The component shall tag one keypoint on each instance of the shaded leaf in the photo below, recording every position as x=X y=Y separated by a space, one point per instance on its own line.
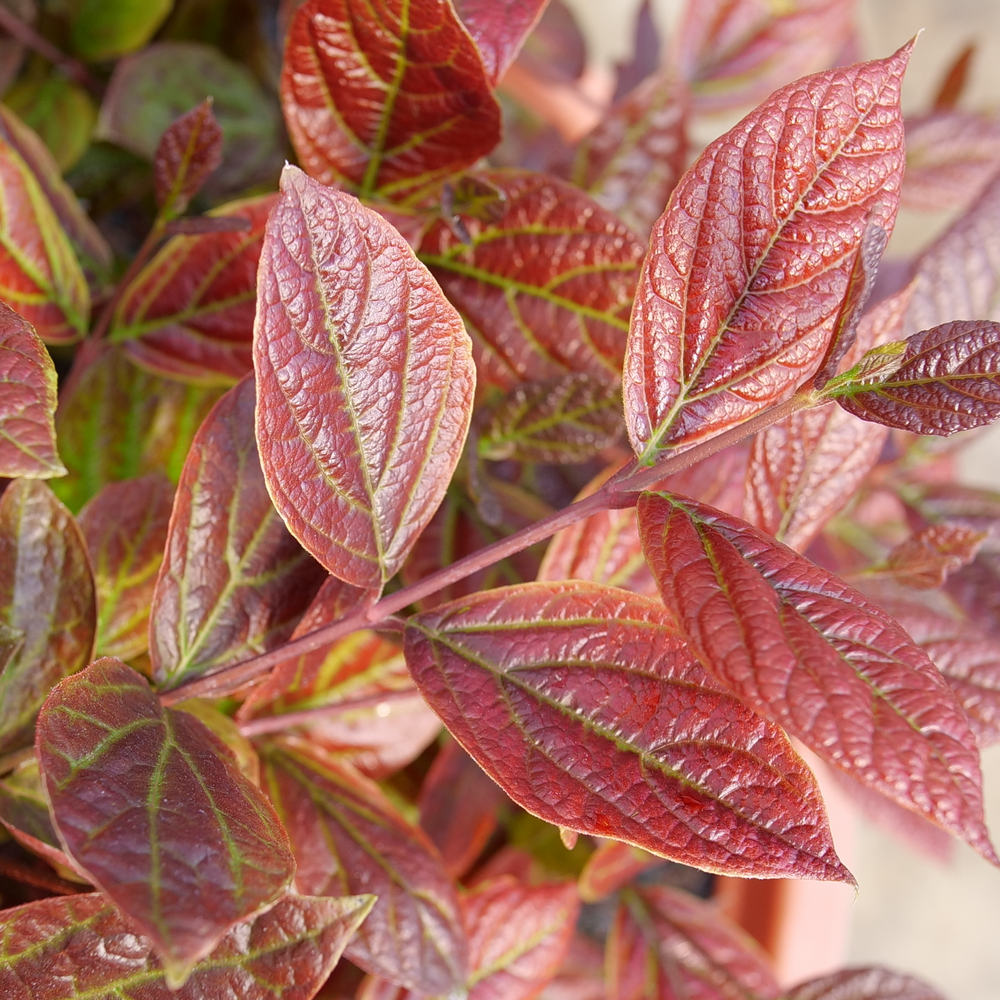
x=976 y=590
x=499 y=29
x=27 y=402
x=816 y=657
x=581 y=976
x=545 y=289
x=233 y=582
x=107 y=29
x=955 y=503
x=387 y=96
x=153 y=808
x=584 y=705
x=125 y=527
x=365 y=381
x=748 y=267
x=81 y=946
x=347 y=836
x=189 y=151
x=610 y=867
x=864 y=984
x=47 y=596
x=926 y=558
x=189 y=313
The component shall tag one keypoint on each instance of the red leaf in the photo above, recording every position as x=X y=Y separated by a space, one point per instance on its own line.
x=665 y=943
x=233 y=582
x=499 y=28
x=864 y=984
x=27 y=402
x=364 y=381
x=817 y=658
x=749 y=265
x=347 y=836
x=954 y=81
x=189 y=313
x=82 y=944
x=46 y=602
x=153 y=808
x=976 y=589
x=546 y=288
x=190 y=150
x=582 y=703
x=610 y=867
x=384 y=97
x=125 y=527
x=926 y=559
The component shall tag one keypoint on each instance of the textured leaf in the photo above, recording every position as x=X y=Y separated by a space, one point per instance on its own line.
x=107 y=29
x=364 y=380
x=518 y=937
x=153 y=807
x=346 y=836
x=546 y=288
x=956 y=503
x=665 y=943
x=117 y=422
x=582 y=703
x=46 y=595
x=565 y=419
x=189 y=313
x=125 y=527
x=80 y=947
x=385 y=96
x=499 y=28
x=864 y=984
x=817 y=658
x=233 y=582
x=942 y=380
x=190 y=150
x=748 y=267
x=27 y=402
x=925 y=559
x=610 y=867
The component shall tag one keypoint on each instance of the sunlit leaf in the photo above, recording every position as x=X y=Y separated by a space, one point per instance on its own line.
x=499 y=28
x=584 y=705
x=153 y=807
x=107 y=29
x=610 y=867
x=189 y=152
x=864 y=984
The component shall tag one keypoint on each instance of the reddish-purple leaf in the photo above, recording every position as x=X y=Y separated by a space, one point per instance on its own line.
x=864 y=984
x=125 y=527
x=816 y=657
x=364 y=381
x=748 y=267
x=46 y=600
x=189 y=313
x=926 y=559
x=153 y=807
x=581 y=976
x=585 y=706
x=955 y=79
x=385 y=97
x=81 y=946
x=546 y=288
x=499 y=28
x=27 y=402
x=665 y=943
x=955 y=503
x=348 y=838
x=976 y=590
x=233 y=582
x=610 y=867
x=190 y=150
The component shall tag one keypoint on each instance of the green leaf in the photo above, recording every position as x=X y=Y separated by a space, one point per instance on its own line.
x=107 y=29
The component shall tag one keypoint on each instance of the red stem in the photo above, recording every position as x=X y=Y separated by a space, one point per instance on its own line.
x=149 y=244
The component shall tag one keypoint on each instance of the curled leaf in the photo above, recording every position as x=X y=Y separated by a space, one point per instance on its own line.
x=926 y=558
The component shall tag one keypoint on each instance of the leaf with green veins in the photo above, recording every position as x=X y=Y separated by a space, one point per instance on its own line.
x=153 y=808
x=233 y=582
x=346 y=834
x=189 y=151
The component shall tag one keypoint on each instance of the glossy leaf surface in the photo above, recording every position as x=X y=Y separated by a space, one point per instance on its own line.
x=815 y=656
x=584 y=705
x=46 y=598
x=364 y=380
x=748 y=267
x=499 y=28
x=190 y=150
x=926 y=558
x=346 y=836
x=27 y=402
x=81 y=946
x=233 y=582
x=864 y=984
x=387 y=96
x=544 y=289
x=154 y=808
x=125 y=527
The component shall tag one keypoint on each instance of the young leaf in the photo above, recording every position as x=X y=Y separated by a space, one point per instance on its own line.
x=153 y=807
x=46 y=598
x=189 y=313
x=544 y=289
x=83 y=944
x=233 y=582
x=125 y=527
x=925 y=559
x=610 y=867
x=107 y=29
x=189 y=152
x=864 y=984
x=364 y=381
x=385 y=99
x=750 y=263
x=499 y=28
x=588 y=691
x=347 y=835
x=816 y=657
x=27 y=402
x=666 y=943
